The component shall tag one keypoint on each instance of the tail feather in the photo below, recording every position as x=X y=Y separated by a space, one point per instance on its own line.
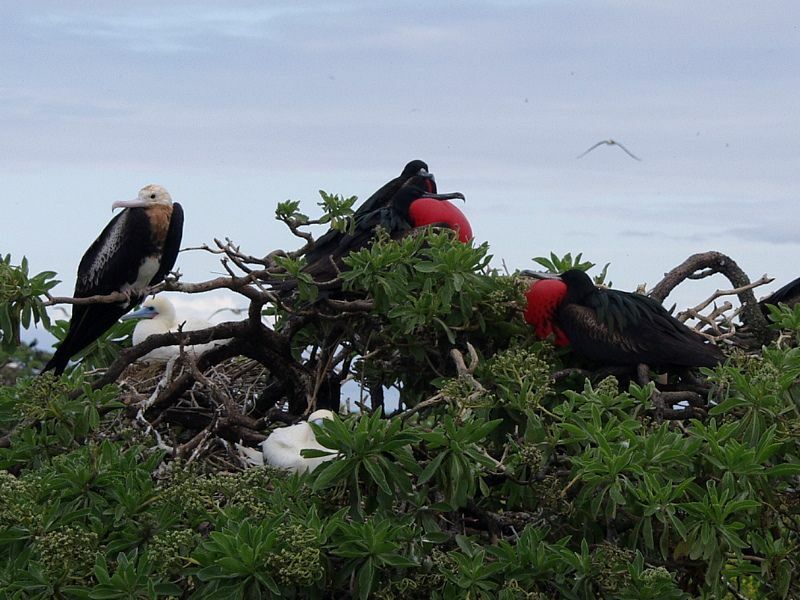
x=88 y=323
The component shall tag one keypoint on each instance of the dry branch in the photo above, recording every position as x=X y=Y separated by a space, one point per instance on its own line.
x=699 y=266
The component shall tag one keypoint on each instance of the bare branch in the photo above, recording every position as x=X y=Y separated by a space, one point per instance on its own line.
x=706 y=264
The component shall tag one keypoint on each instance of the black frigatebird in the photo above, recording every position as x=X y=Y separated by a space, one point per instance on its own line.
x=326 y=244
x=136 y=249
x=788 y=295
x=612 y=327
x=398 y=215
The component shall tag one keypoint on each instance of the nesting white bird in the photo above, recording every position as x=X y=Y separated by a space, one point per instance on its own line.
x=158 y=316
x=282 y=447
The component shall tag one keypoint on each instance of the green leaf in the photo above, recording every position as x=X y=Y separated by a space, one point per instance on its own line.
x=330 y=473
x=366 y=578
x=377 y=475
x=432 y=468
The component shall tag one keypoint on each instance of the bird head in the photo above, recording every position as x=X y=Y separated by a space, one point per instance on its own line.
x=159 y=306
x=415 y=167
x=149 y=195
x=319 y=415
x=416 y=187
x=419 y=169
x=544 y=296
x=579 y=284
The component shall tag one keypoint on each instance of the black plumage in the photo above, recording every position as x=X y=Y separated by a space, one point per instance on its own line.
x=788 y=295
x=326 y=244
x=135 y=250
x=392 y=215
x=623 y=328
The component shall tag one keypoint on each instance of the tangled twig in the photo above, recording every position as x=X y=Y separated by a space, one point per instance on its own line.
x=700 y=266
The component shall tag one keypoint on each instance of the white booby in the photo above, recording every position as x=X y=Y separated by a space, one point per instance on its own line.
x=158 y=316
x=135 y=250
x=282 y=447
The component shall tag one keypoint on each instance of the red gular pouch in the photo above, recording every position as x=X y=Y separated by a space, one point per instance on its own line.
x=544 y=296
x=429 y=211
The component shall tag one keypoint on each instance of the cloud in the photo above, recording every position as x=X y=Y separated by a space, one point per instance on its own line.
x=170 y=28
x=772 y=233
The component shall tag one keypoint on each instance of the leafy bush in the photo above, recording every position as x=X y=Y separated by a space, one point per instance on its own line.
x=21 y=303
x=497 y=480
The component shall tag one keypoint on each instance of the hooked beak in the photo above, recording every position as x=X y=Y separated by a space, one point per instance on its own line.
x=128 y=204
x=448 y=196
x=539 y=274
x=143 y=313
x=426 y=174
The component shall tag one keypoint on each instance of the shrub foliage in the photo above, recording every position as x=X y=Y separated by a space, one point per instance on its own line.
x=497 y=479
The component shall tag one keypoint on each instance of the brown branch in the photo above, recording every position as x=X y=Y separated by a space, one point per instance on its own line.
x=222 y=331
x=709 y=263
x=97 y=299
x=294 y=227
x=241 y=285
x=351 y=306
x=425 y=404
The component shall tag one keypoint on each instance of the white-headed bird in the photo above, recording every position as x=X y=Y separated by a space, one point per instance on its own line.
x=134 y=251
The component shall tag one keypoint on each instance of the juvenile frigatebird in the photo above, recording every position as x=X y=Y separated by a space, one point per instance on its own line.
x=396 y=217
x=613 y=327
x=326 y=244
x=135 y=250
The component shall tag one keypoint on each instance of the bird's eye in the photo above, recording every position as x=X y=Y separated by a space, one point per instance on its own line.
x=152 y=196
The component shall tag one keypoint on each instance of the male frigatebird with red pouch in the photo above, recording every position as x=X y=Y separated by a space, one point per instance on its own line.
x=136 y=250
x=400 y=215
x=429 y=212
x=398 y=207
x=611 y=327
x=327 y=243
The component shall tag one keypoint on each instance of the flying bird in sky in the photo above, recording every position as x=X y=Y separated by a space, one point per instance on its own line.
x=611 y=143
x=136 y=250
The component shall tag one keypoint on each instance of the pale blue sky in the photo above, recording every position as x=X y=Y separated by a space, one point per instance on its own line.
x=235 y=106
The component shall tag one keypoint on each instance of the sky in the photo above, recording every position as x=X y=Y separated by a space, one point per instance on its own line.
x=236 y=106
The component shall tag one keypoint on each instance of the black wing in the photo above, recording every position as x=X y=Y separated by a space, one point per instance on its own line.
x=112 y=261
x=788 y=294
x=115 y=256
x=326 y=244
x=627 y=329
x=172 y=244
x=325 y=267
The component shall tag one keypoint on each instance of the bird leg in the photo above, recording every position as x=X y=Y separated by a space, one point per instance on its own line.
x=659 y=405
x=642 y=374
